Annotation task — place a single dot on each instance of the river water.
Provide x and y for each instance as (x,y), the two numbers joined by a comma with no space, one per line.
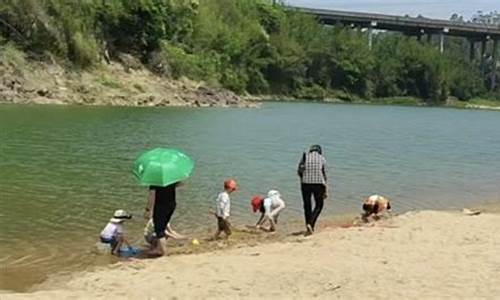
(64,169)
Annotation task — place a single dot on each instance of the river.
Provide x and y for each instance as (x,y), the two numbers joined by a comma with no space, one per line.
(65,169)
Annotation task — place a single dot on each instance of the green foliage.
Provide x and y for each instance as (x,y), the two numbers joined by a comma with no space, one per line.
(231,31)
(408,100)
(191,65)
(248,46)
(467,84)
(313,92)
(140,26)
(12,55)
(82,50)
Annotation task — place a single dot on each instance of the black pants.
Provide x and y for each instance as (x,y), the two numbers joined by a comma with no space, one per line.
(162,212)
(318,191)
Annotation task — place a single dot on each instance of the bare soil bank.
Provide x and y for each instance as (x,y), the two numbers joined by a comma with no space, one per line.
(124,83)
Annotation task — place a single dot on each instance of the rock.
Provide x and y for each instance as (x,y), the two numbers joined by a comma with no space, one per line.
(231,102)
(331,287)
(158,63)
(12,83)
(82,89)
(129,62)
(470,212)
(43,92)
(206,91)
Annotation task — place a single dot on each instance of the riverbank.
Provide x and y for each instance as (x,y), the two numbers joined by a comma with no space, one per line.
(124,82)
(127,82)
(427,254)
(476,103)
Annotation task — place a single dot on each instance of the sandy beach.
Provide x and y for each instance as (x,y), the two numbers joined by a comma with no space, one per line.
(425,254)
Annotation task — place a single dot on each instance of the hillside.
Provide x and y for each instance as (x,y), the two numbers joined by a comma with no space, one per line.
(150,49)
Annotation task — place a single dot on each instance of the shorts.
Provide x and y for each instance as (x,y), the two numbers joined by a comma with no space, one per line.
(112,242)
(224,225)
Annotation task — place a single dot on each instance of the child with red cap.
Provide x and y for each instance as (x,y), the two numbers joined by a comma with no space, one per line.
(269,207)
(223,208)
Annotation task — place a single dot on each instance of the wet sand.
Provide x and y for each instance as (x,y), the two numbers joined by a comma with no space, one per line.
(24,275)
(425,254)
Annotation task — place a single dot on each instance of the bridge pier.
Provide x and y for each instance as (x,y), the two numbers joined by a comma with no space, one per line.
(495,49)
(370,34)
(483,48)
(441,39)
(494,73)
(420,33)
(370,38)
(472,49)
(441,42)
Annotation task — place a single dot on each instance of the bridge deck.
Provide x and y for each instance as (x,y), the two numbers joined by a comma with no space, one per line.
(404,24)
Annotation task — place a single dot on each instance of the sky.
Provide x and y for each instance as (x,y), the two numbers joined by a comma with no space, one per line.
(440,9)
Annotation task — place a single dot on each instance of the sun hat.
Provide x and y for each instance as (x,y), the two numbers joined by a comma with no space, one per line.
(120,216)
(273,194)
(230,184)
(257,202)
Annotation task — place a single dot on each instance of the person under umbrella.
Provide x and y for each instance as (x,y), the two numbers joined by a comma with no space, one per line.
(163,170)
(160,208)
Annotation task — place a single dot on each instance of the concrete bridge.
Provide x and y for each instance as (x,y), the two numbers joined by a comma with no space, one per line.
(476,33)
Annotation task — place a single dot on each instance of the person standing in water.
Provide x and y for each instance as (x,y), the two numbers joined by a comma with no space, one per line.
(313,182)
(161,206)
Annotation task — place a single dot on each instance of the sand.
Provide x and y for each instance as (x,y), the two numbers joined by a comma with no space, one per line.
(417,255)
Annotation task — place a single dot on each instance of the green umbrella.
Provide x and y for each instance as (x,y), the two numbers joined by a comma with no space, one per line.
(162,167)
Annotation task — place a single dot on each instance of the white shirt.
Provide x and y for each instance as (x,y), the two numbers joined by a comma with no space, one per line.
(112,230)
(223,205)
(273,205)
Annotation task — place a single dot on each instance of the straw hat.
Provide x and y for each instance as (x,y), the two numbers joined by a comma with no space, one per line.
(120,216)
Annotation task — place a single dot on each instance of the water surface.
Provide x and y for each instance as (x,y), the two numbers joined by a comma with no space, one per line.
(64,169)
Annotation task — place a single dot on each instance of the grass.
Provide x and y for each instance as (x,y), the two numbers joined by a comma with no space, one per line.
(408,101)
(109,82)
(10,54)
(476,103)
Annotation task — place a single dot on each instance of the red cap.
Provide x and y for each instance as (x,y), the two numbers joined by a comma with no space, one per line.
(257,202)
(230,184)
